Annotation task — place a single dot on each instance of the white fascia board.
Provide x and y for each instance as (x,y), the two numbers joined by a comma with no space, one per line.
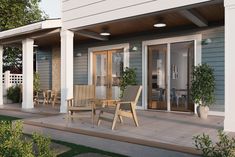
(48,24)
(31,28)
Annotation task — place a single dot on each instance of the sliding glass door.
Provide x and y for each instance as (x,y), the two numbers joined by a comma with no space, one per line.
(157,77)
(169,75)
(181,61)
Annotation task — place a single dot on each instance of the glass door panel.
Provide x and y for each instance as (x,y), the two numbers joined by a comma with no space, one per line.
(157,84)
(181,61)
(107,69)
(100,74)
(117,69)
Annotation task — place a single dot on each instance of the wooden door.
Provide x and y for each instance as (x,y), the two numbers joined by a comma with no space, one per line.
(107,69)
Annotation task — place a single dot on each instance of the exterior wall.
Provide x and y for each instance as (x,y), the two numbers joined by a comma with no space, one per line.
(56,68)
(212,54)
(81,65)
(44,67)
(82,13)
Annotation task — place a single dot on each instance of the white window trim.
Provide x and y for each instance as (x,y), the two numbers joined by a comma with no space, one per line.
(197,60)
(124,46)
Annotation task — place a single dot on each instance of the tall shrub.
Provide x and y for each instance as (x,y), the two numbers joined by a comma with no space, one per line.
(36,82)
(203,85)
(13,93)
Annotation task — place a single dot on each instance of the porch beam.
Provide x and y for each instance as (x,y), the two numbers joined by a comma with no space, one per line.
(229,65)
(27,48)
(66,68)
(1,72)
(194,17)
(92,35)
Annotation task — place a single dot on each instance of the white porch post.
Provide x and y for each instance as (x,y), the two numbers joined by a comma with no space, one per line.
(229,122)
(27,73)
(66,68)
(1,84)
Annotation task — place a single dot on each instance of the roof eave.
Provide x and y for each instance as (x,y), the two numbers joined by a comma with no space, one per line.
(47,24)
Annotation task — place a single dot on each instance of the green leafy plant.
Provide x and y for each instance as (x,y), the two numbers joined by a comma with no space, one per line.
(11,141)
(36,82)
(225,147)
(13,93)
(14,144)
(42,146)
(128,77)
(203,85)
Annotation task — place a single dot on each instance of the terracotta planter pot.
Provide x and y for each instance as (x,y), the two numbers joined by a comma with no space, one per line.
(202,111)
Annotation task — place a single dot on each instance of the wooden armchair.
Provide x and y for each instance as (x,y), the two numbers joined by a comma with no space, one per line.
(83,94)
(55,96)
(126,107)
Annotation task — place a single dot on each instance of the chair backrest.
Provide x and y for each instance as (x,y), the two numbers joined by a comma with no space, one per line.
(131,93)
(83,94)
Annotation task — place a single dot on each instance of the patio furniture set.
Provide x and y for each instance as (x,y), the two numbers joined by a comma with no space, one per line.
(47,97)
(110,110)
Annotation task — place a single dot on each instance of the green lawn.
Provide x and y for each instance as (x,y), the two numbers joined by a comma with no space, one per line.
(79,149)
(7,118)
(74,149)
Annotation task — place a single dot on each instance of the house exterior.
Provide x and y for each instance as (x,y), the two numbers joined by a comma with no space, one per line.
(96,39)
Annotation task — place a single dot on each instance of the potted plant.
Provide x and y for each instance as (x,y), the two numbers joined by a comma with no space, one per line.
(203,88)
(128,77)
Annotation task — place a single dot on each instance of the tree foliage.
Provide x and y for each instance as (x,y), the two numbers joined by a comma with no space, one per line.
(16,13)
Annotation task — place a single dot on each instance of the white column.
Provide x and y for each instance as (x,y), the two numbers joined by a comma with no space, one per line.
(229,122)
(27,73)
(66,68)
(7,82)
(1,84)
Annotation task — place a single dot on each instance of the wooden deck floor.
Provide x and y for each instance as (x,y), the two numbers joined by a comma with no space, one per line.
(171,131)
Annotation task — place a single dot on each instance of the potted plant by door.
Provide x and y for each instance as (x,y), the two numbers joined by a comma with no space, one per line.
(128,77)
(203,88)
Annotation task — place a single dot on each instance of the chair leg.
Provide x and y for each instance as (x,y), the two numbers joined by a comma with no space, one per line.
(115,116)
(99,120)
(134,115)
(120,118)
(92,117)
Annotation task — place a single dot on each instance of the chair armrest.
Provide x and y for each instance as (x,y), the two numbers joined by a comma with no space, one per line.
(70,99)
(70,102)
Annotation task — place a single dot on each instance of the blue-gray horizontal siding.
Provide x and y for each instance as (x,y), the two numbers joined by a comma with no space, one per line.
(81,66)
(213,54)
(44,67)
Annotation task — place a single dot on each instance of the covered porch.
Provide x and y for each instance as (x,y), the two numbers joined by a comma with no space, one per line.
(76,45)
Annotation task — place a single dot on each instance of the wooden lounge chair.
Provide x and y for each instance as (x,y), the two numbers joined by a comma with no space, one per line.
(83,94)
(126,107)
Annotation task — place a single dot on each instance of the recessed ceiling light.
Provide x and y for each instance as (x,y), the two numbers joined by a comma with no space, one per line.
(105,33)
(159,25)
